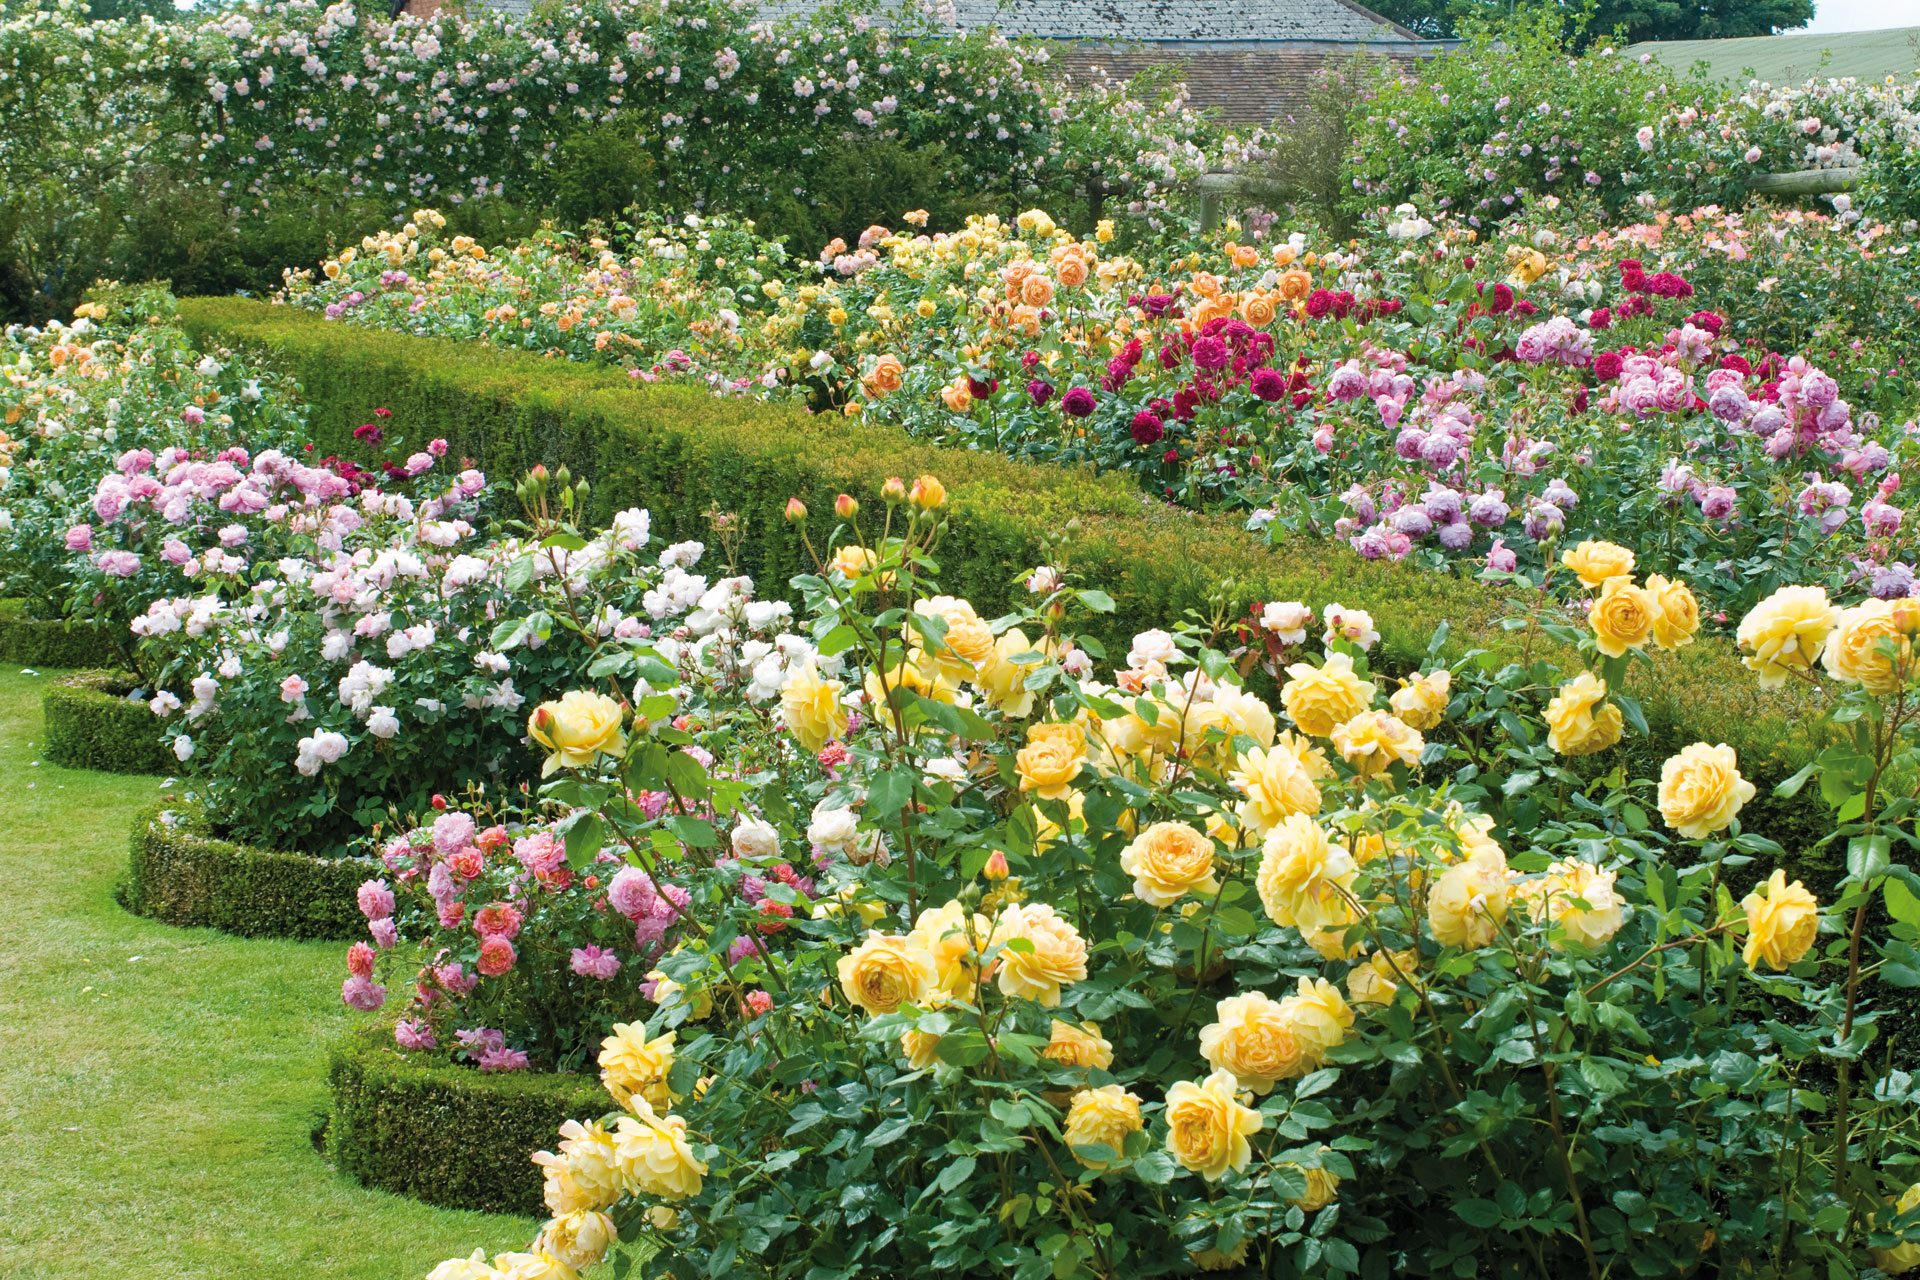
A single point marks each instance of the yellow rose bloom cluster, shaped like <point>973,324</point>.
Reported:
<point>811,709</point>
<point>1305,880</point>
<point>632,1066</point>
<point>1279,782</point>
<point>1102,1117</point>
<point>1627,616</point>
<point>1580,721</point>
<point>578,727</point>
<point>1054,955</point>
<point>1871,645</point>
<point>1580,898</point>
<point>1374,741</point>
<point>1421,701</point>
<point>1261,1041</point>
<point>1701,790</point>
<point>1051,760</point>
<point>1469,900</point>
<point>1785,632</point>
<point>885,972</point>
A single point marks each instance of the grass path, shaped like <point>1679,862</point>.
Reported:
<point>158,1085</point>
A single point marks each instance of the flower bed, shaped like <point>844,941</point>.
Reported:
<point>683,451</point>
<point>91,723</point>
<point>442,1133</point>
<point>180,872</point>
<point>36,642</point>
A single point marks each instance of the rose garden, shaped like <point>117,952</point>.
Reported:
<point>783,723</point>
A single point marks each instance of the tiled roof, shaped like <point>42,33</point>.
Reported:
<point>1245,83</point>
<point>1154,21</point>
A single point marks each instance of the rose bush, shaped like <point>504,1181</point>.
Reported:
<point>1129,967</point>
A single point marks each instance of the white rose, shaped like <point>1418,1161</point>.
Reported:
<point>753,838</point>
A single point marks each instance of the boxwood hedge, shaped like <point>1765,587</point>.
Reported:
<point>680,451</point>
<point>181,873</point>
<point>35,642</point>
<point>92,724</point>
<point>448,1134</point>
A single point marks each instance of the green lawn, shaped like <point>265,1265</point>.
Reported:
<point>158,1085</point>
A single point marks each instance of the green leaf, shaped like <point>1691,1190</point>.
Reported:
<point>889,793</point>
<point>890,1131</point>
<point>583,840</point>
<point>1902,903</point>
<point>1478,1213</point>
<point>1868,856</point>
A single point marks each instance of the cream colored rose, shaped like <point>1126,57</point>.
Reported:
<point>1597,563</point>
<point>1252,1037</point>
<point>1055,955</point>
<point>1078,1046</point>
<point>1622,618</point>
<point>1782,922</point>
<point>1701,790</point>
<point>1168,861</point>
<point>632,1066</point>
<point>1279,781</point>
<point>1323,1187</point>
<point>1580,898</point>
<point>1679,614</point>
<point>1319,1015</point>
<point>1421,700</point>
<point>1785,633</point>
<point>1869,647</point>
<point>1303,876</point>
<point>579,1239</point>
<point>583,1175</point>
<point>885,972</point>
<point>1102,1117</point>
<point>1374,741</point>
<point>1208,1128</point>
<point>1051,760</point>
<point>953,941</point>
<point>1580,721</point>
<point>578,727</point>
<point>1468,901</point>
<point>968,646</point>
<point>810,708</point>
<point>1003,680</point>
<point>1245,714</point>
<point>1376,979</point>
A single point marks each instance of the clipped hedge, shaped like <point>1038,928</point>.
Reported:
<point>179,872</point>
<point>679,450</point>
<point>35,642</point>
<point>91,724</point>
<point>448,1134</point>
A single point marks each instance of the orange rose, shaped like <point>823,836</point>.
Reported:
<point>1072,270</point>
<point>1295,285</point>
<point>1258,310</point>
<point>1036,290</point>
<point>885,377</point>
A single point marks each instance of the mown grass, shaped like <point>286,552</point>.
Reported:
<point>158,1086</point>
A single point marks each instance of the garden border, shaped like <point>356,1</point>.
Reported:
<point>680,450</point>
<point>88,725</point>
<point>36,642</point>
<point>180,873</point>
<point>449,1135</point>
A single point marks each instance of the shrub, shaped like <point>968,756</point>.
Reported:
<point>682,451</point>
<point>36,642</point>
<point>96,720</point>
<point>444,1134</point>
<point>1124,978</point>
<point>180,873</point>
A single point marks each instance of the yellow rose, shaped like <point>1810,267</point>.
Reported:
<point>810,708</point>
<point>1785,632</point>
<point>1279,781</point>
<point>472,1267</point>
<point>579,1239</point>
<point>1318,698</point>
<point>654,1156</point>
<point>1051,760</point>
<point>535,1265</point>
<point>1054,957</point>
<point>580,726</point>
<point>1212,1259</point>
<point>1679,615</point>
<point>927,492</point>
<point>1003,680</point>
<point>1579,719</point>
<point>632,1066</point>
<point>584,1175</point>
<point>885,972</point>
<point>1078,1046</point>
<point>1468,901</point>
<point>1903,1257</point>
<point>921,1049</point>
<point>1375,979</point>
<point>1597,562</point>
<point>1252,1038</point>
<point>1245,714</point>
<point>1323,1187</point>
<point>1101,1117</point>
<point>1374,741</point>
<point>1304,878</point>
<point>1869,647</point>
<point>854,562</point>
<point>1168,861</point>
<point>1319,1016</point>
<point>1580,898</point>
<point>968,646</point>
<point>1421,700</point>
<point>1782,921</point>
<point>1207,1127</point>
<point>1701,790</point>
<point>1622,618</point>
<point>952,940</point>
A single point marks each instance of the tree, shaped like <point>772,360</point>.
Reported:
<point>1640,19</point>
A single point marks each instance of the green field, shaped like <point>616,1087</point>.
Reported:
<point>159,1086</point>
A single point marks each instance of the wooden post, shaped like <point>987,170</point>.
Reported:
<point>1806,182</point>
<point>1213,189</point>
